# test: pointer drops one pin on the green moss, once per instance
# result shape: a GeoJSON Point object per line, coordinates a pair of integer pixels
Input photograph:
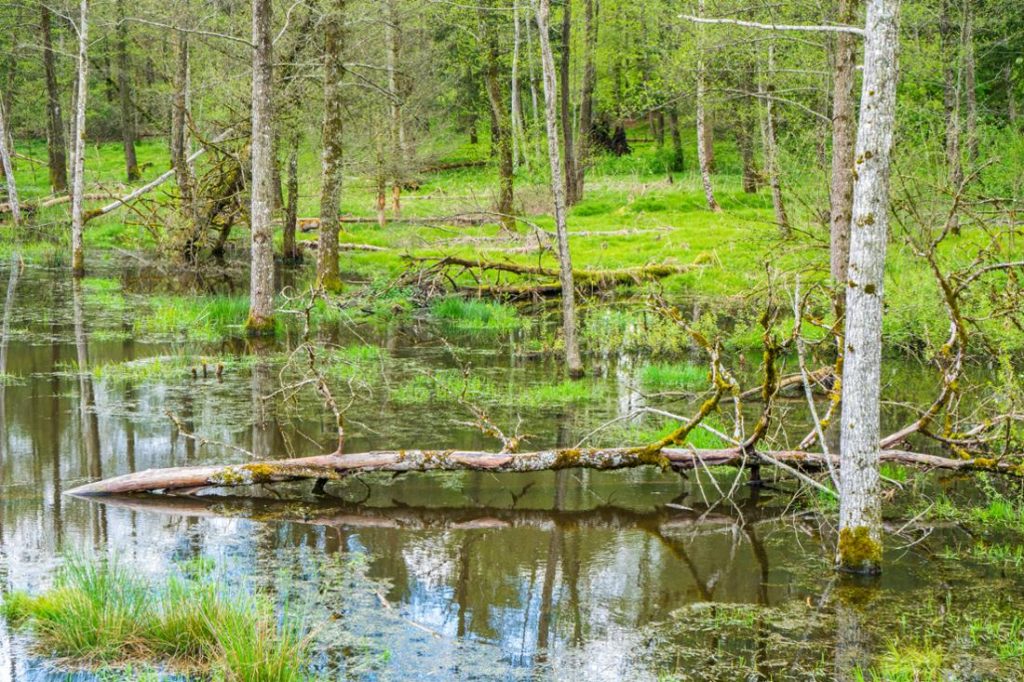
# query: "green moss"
{"type": "Point", "coordinates": [859, 552]}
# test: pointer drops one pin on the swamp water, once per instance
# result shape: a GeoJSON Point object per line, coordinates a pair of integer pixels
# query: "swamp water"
{"type": "Point", "coordinates": [567, 575]}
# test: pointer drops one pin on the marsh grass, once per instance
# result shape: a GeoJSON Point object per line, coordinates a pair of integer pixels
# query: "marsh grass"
{"type": "Point", "coordinates": [445, 385]}
{"type": "Point", "coordinates": [201, 318]}
{"type": "Point", "coordinates": [101, 613]}
{"type": "Point", "coordinates": [475, 314]}
{"type": "Point", "coordinates": [679, 376]}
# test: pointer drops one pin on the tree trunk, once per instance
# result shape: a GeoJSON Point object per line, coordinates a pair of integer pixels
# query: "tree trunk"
{"type": "Point", "coordinates": [678, 160]}
{"type": "Point", "coordinates": [844, 138]}
{"type": "Point", "coordinates": [395, 108]}
{"type": "Point", "coordinates": [951, 98]}
{"type": "Point", "coordinates": [327, 273]}
{"type": "Point", "coordinates": [183, 176]}
{"type": "Point", "coordinates": [970, 85]}
{"type": "Point", "coordinates": [566, 104]}
{"type": "Point", "coordinates": [518, 143]}
{"type": "Point", "coordinates": [586, 127]}
{"type": "Point", "coordinates": [860, 510]}
{"type": "Point", "coordinates": [572, 351]}
{"type": "Point", "coordinates": [746, 124]}
{"type": "Point", "coordinates": [78, 154]}
{"type": "Point", "coordinates": [8, 171]}
{"type": "Point", "coordinates": [771, 146]}
{"type": "Point", "coordinates": [501, 135]}
{"type": "Point", "coordinates": [702, 130]}
{"type": "Point", "coordinates": [1011, 95]}
{"type": "Point", "coordinates": [290, 249]}
{"type": "Point", "coordinates": [131, 163]}
{"type": "Point", "coordinates": [261, 274]}
{"type": "Point", "coordinates": [56, 154]}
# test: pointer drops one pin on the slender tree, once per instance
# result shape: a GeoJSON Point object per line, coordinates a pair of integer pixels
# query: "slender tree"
{"type": "Point", "coordinates": [261, 277]}
{"type": "Point", "coordinates": [501, 128]}
{"type": "Point", "coordinates": [327, 272]}
{"type": "Point", "coordinates": [844, 139]}
{"type": "Point", "coordinates": [970, 82]}
{"type": "Point", "coordinates": [771, 143]}
{"type": "Point", "coordinates": [572, 351]}
{"type": "Point", "coordinates": [860, 508]}
{"type": "Point", "coordinates": [703, 157]}
{"type": "Point", "coordinates": [398, 149]}
{"type": "Point", "coordinates": [565, 102]}
{"type": "Point", "coordinates": [78, 153]}
{"type": "Point", "coordinates": [8, 171]}
{"type": "Point", "coordinates": [290, 249]}
{"type": "Point", "coordinates": [55, 152]}
{"type": "Point", "coordinates": [131, 162]}
{"type": "Point", "coordinates": [589, 84]}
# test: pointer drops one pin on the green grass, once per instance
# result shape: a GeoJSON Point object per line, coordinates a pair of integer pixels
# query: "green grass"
{"type": "Point", "coordinates": [475, 314]}
{"type": "Point", "coordinates": [103, 613]}
{"type": "Point", "coordinates": [200, 318]}
{"type": "Point", "coordinates": [683, 376]}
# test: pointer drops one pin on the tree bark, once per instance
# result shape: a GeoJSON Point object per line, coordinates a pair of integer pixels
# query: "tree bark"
{"type": "Point", "coordinates": [586, 126]}
{"type": "Point", "coordinates": [518, 142]}
{"type": "Point", "coordinates": [398, 150]}
{"type": "Point", "coordinates": [565, 103]}
{"type": "Point", "coordinates": [261, 274]}
{"type": "Point", "coordinates": [335, 466]}
{"type": "Point", "coordinates": [771, 145]}
{"type": "Point", "coordinates": [78, 155]}
{"type": "Point", "coordinates": [55, 151]}
{"type": "Point", "coordinates": [860, 510]}
{"type": "Point", "coordinates": [844, 139]}
{"type": "Point", "coordinates": [501, 134]}
{"type": "Point", "coordinates": [702, 131]}
{"type": "Point", "coordinates": [970, 85]}
{"type": "Point", "coordinates": [951, 97]}
{"type": "Point", "coordinates": [8, 171]}
{"type": "Point", "coordinates": [290, 249]}
{"type": "Point", "coordinates": [678, 159]}
{"type": "Point", "coordinates": [572, 351]}
{"type": "Point", "coordinates": [327, 273]}
{"type": "Point", "coordinates": [1011, 95]}
{"type": "Point", "coordinates": [131, 162]}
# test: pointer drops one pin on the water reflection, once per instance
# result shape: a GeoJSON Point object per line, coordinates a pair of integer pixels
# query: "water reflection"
{"type": "Point", "coordinates": [555, 574]}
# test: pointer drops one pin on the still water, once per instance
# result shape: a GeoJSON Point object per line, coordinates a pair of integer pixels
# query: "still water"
{"type": "Point", "coordinates": [571, 575]}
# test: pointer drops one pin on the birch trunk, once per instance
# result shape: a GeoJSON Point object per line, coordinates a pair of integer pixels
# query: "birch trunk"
{"type": "Point", "coordinates": [860, 510]}
{"type": "Point", "coordinates": [327, 273]}
{"type": "Point", "coordinates": [8, 169]}
{"type": "Point", "coordinates": [131, 162]}
{"type": "Point", "coordinates": [771, 145]}
{"type": "Point", "coordinates": [261, 274]}
{"type": "Point", "coordinates": [566, 105]}
{"type": "Point", "coordinates": [844, 139]}
{"type": "Point", "coordinates": [78, 154]}
{"type": "Point", "coordinates": [572, 351]}
{"type": "Point", "coordinates": [55, 151]}
{"type": "Point", "coordinates": [702, 132]}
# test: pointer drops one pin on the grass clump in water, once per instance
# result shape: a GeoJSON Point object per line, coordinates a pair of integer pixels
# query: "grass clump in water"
{"type": "Point", "coordinates": [206, 318]}
{"type": "Point", "coordinates": [681, 376]}
{"type": "Point", "coordinates": [476, 314]}
{"type": "Point", "coordinates": [103, 613]}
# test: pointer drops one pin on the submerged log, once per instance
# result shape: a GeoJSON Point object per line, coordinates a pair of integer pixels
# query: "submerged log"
{"type": "Point", "coordinates": [336, 466]}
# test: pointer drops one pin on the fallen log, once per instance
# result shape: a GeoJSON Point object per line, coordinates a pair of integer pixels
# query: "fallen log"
{"type": "Point", "coordinates": [818, 376]}
{"type": "Point", "coordinates": [310, 224]}
{"type": "Point", "coordinates": [31, 206]}
{"type": "Point", "coordinates": [593, 277]}
{"type": "Point", "coordinates": [336, 466]}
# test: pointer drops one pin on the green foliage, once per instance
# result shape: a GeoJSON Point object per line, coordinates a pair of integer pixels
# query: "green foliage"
{"type": "Point", "coordinates": [102, 612]}
{"type": "Point", "coordinates": [475, 314]}
{"type": "Point", "coordinates": [676, 376]}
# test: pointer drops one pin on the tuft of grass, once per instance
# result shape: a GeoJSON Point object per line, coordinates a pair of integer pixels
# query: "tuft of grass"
{"type": "Point", "coordinates": [205, 318]}
{"type": "Point", "coordinates": [476, 314]}
{"type": "Point", "coordinates": [103, 613]}
{"type": "Point", "coordinates": [682, 376]}
{"type": "Point", "coordinates": [912, 662]}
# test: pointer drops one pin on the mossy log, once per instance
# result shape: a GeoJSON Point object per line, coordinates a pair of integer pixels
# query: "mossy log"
{"type": "Point", "coordinates": [595, 278]}
{"type": "Point", "coordinates": [336, 466]}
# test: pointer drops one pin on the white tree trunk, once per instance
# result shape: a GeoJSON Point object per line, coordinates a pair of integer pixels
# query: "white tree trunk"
{"type": "Point", "coordinates": [771, 151]}
{"type": "Point", "coordinates": [78, 150]}
{"type": "Point", "coordinates": [397, 123]}
{"type": "Point", "coordinates": [517, 123]}
{"type": "Point", "coordinates": [5, 159]}
{"type": "Point", "coordinates": [572, 351]}
{"type": "Point", "coordinates": [702, 131]}
{"type": "Point", "coordinates": [860, 511]}
{"type": "Point", "coordinates": [261, 279]}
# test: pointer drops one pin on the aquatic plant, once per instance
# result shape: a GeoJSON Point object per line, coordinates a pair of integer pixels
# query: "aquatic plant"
{"type": "Point", "coordinates": [475, 314]}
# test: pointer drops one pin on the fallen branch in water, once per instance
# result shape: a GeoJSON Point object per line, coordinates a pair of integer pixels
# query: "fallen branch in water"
{"type": "Point", "coordinates": [337, 466]}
